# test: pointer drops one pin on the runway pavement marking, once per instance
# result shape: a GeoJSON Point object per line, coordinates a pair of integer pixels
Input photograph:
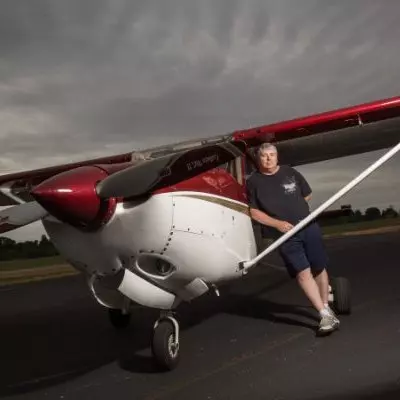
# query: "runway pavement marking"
{"type": "Point", "coordinates": [232, 363]}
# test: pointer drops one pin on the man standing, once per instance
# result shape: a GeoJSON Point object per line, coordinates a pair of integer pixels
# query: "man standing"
{"type": "Point", "coordinates": [278, 200]}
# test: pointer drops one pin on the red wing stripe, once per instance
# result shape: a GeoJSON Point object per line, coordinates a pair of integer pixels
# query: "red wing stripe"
{"type": "Point", "coordinates": [327, 121]}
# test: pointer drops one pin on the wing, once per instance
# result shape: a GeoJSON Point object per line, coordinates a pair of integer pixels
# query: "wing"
{"type": "Point", "coordinates": [338, 133]}
{"type": "Point", "coordinates": [353, 130]}
{"type": "Point", "coordinates": [319, 137]}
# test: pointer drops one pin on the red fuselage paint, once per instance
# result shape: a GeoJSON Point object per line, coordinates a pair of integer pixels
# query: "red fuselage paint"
{"type": "Point", "coordinates": [217, 181]}
{"type": "Point", "coordinates": [71, 195]}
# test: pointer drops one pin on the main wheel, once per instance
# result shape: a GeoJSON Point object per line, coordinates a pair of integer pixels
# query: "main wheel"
{"type": "Point", "coordinates": [165, 352]}
{"type": "Point", "coordinates": [118, 319]}
{"type": "Point", "coordinates": [341, 295]}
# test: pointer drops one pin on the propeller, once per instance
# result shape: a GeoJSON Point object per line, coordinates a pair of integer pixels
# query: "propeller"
{"type": "Point", "coordinates": [150, 175]}
{"type": "Point", "coordinates": [21, 215]}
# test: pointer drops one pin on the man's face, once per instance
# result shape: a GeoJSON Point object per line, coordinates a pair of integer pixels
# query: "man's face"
{"type": "Point", "coordinates": [269, 159]}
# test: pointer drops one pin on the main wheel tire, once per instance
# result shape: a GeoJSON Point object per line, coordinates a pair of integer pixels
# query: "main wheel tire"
{"type": "Point", "coordinates": [341, 295]}
{"type": "Point", "coordinates": [118, 319]}
{"type": "Point", "coordinates": [164, 352]}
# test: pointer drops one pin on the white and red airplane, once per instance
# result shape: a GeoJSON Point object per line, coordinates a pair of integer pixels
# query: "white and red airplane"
{"type": "Point", "coordinates": [165, 225]}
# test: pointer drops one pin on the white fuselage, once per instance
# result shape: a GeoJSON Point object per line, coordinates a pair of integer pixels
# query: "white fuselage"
{"type": "Point", "coordinates": [203, 237]}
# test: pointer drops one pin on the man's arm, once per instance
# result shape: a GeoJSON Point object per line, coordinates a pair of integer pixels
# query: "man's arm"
{"type": "Point", "coordinates": [265, 219]}
{"type": "Point", "coordinates": [308, 198]}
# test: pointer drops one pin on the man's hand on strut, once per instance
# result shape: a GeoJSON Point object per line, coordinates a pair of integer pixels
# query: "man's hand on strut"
{"type": "Point", "coordinates": [284, 226]}
{"type": "Point", "coordinates": [265, 219]}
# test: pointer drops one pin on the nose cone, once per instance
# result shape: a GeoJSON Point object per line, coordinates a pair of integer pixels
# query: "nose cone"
{"type": "Point", "coordinates": [71, 197]}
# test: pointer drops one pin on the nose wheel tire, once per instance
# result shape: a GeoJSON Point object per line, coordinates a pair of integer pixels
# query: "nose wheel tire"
{"type": "Point", "coordinates": [340, 295]}
{"type": "Point", "coordinates": [118, 318]}
{"type": "Point", "coordinates": [165, 344]}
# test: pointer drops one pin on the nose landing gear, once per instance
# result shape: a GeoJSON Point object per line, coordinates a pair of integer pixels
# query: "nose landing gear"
{"type": "Point", "coordinates": [165, 344]}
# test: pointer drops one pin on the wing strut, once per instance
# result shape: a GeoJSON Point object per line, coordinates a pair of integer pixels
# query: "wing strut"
{"type": "Point", "coordinates": [245, 265]}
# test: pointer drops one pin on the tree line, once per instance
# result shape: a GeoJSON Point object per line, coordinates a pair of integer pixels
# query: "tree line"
{"type": "Point", "coordinates": [10, 249]}
{"type": "Point", "coordinates": [347, 215]}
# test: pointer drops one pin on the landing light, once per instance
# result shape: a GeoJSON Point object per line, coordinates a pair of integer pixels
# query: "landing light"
{"type": "Point", "coordinates": [154, 266]}
{"type": "Point", "coordinates": [163, 267]}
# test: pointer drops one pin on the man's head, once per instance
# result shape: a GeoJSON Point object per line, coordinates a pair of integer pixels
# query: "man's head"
{"type": "Point", "coordinates": [267, 158]}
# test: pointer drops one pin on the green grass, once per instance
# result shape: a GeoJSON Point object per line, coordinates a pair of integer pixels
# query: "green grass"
{"type": "Point", "coordinates": [15, 265]}
{"type": "Point", "coordinates": [30, 263]}
{"type": "Point", "coordinates": [360, 226]}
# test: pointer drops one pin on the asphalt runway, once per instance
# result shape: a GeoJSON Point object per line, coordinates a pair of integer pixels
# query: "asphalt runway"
{"type": "Point", "coordinates": [256, 341]}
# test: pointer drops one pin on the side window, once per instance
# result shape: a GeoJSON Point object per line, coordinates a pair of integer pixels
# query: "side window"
{"type": "Point", "coordinates": [250, 163]}
{"type": "Point", "coordinates": [235, 169]}
{"type": "Point", "coordinates": [224, 166]}
{"type": "Point", "coordinates": [241, 168]}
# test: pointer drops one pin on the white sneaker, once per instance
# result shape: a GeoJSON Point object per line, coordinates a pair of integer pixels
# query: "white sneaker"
{"type": "Point", "coordinates": [328, 324]}
{"type": "Point", "coordinates": [332, 313]}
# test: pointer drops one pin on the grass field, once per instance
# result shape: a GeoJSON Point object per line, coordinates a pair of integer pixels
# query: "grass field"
{"type": "Point", "coordinates": [18, 271]}
{"type": "Point", "coordinates": [362, 226]}
{"type": "Point", "coordinates": [23, 271]}
{"type": "Point", "coordinates": [30, 263]}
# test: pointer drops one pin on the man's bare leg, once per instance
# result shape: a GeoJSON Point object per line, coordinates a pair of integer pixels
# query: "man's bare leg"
{"type": "Point", "coordinates": [310, 288]}
{"type": "Point", "coordinates": [309, 285]}
{"type": "Point", "coordinates": [322, 281]}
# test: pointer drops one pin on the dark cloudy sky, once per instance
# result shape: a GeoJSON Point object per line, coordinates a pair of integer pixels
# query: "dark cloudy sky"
{"type": "Point", "coordinates": [87, 78]}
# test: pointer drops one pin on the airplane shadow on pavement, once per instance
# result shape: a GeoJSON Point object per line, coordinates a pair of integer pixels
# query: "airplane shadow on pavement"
{"type": "Point", "coordinates": [58, 343]}
{"type": "Point", "coordinates": [243, 305]}
{"type": "Point", "coordinates": [281, 313]}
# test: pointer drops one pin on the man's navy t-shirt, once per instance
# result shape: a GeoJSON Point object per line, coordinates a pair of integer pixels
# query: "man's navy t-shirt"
{"type": "Point", "coordinates": [280, 195]}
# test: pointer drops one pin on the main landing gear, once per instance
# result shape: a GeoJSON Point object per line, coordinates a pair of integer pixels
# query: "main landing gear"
{"type": "Point", "coordinates": [340, 295]}
{"type": "Point", "coordinates": [165, 343]}
{"type": "Point", "coordinates": [119, 319]}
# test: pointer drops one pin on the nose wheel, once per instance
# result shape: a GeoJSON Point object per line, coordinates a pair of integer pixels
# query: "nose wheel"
{"type": "Point", "coordinates": [165, 343]}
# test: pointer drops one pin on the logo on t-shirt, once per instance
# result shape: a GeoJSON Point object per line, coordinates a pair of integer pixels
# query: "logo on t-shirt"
{"type": "Point", "coordinates": [289, 186]}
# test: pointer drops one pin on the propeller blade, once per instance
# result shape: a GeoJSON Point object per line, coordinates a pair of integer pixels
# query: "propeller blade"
{"type": "Point", "coordinates": [155, 174]}
{"type": "Point", "coordinates": [21, 215]}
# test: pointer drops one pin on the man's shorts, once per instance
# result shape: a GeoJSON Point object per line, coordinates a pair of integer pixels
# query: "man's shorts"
{"type": "Point", "coordinates": [304, 249]}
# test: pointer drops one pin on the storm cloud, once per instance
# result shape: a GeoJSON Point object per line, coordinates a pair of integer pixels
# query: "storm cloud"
{"type": "Point", "coordinates": [80, 79]}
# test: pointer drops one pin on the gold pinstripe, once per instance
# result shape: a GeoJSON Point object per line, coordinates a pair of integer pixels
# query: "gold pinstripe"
{"type": "Point", "coordinates": [242, 208]}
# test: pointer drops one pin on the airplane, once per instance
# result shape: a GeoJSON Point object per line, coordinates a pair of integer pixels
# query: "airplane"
{"type": "Point", "coordinates": [164, 225]}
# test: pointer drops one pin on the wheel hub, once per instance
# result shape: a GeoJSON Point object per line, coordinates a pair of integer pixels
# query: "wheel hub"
{"type": "Point", "coordinates": [173, 347]}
